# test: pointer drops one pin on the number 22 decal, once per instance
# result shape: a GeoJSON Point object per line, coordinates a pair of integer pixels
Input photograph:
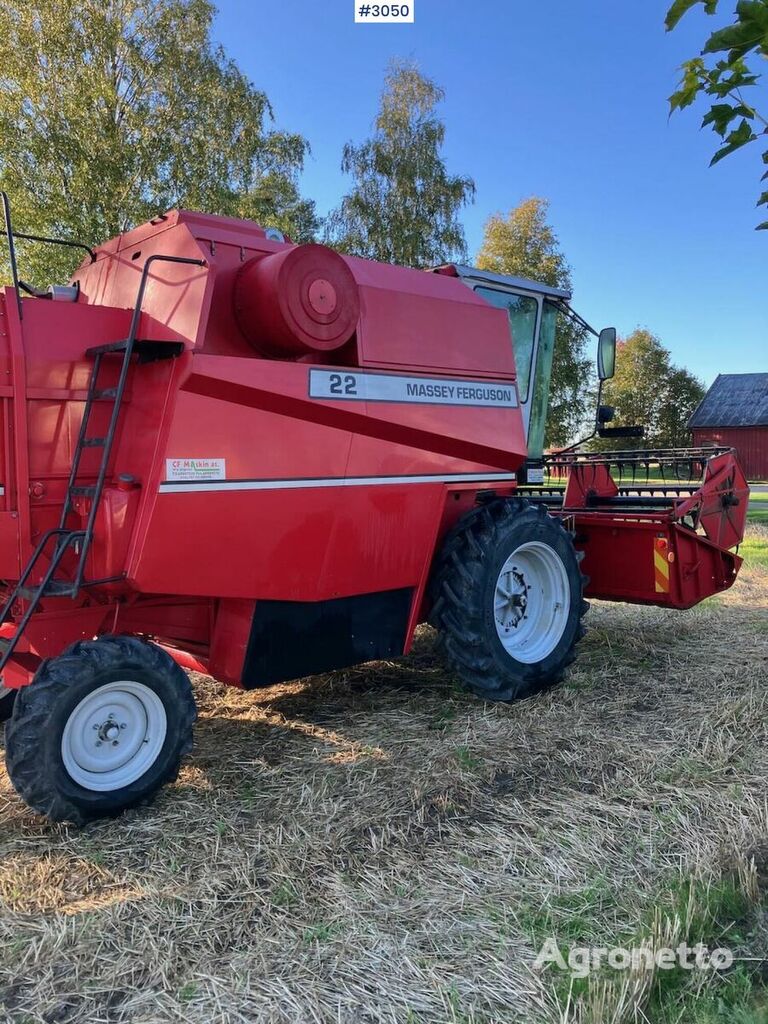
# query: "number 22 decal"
{"type": "Point", "coordinates": [342, 385]}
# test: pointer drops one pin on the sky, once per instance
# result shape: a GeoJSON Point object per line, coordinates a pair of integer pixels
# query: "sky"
{"type": "Point", "coordinates": [564, 99]}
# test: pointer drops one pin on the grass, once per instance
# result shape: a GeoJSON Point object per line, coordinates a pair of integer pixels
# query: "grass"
{"type": "Point", "coordinates": [754, 548]}
{"type": "Point", "coordinates": [627, 480]}
{"type": "Point", "coordinates": [375, 845]}
{"type": "Point", "coordinates": [724, 912]}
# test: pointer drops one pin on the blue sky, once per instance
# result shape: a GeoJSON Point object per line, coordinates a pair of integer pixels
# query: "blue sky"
{"type": "Point", "coordinates": [565, 99]}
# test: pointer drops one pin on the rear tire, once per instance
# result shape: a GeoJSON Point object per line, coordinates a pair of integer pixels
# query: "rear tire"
{"type": "Point", "coordinates": [507, 599]}
{"type": "Point", "coordinates": [100, 729]}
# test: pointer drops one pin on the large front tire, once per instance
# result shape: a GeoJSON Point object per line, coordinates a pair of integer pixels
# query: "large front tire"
{"type": "Point", "coordinates": [100, 729]}
{"type": "Point", "coordinates": [507, 599]}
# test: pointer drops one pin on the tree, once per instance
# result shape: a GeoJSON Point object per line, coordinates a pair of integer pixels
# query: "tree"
{"type": "Point", "coordinates": [524, 244]}
{"type": "Point", "coordinates": [681, 396]}
{"type": "Point", "coordinates": [112, 111]}
{"type": "Point", "coordinates": [403, 206]}
{"type": "Point", "coordinates": [722, 71]}
{"type": "Point", "coordinates": [649, 391]}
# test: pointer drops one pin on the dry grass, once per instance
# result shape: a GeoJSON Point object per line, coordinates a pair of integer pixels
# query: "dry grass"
{"type": "Point", "coordinates": [374, 845]}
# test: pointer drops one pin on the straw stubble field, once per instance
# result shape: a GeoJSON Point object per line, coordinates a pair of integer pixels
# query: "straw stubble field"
{"type": "Point", "coordinates": [376, 845]}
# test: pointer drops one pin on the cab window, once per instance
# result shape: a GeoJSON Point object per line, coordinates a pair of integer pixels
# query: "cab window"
{"type": "Point", "coordinates": [521, 310]}
{"type": "Point", "coordinates": [541, 380]}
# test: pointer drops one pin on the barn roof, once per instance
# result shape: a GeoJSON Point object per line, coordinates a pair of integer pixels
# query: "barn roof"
{"type": "Point", "coordinates": [734, 400]}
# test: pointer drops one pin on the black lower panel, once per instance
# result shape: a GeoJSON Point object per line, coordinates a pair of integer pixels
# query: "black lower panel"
{"type": "Point", "coordinates": [290, 639]}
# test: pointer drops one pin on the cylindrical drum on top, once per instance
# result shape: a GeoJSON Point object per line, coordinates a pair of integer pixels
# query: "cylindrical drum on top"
{"type": "Point", "coordinates": [297, 301]}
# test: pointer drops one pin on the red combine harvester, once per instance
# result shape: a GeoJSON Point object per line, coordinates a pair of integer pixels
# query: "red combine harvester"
{"type": "Point", "coordinates": [224, 452]}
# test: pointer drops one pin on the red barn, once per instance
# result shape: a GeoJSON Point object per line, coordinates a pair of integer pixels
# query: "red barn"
{"type": "Point", "coordinates": [734, 412]}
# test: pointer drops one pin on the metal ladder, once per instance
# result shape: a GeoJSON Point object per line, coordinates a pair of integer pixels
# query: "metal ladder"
{"type": "Point", "coordinates": [55, 543]}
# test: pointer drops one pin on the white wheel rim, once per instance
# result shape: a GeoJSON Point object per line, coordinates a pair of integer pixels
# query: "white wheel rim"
{"type": "Point", "coordinates": [114, 736]}
{"type": "Point", "coordinates": [531, 602]}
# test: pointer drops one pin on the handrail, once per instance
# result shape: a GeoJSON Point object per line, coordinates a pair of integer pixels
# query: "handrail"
{"type": "Point", "coordinates": [11, 250]}
{"type": "Point", "coordinates": [11, 235]}
{"type": "Point", "coordinates": [55, 241]}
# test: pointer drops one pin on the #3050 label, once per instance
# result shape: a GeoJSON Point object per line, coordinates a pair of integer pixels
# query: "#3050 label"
{"type": "Point", "coordinates": [384, 13]}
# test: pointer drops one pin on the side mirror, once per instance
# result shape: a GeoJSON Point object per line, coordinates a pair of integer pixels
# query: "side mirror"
{"type": "Point", "coordinates": [606, 353]}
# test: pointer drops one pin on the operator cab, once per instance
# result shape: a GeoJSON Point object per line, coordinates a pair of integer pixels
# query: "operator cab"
{"type": "Point", "coordinates": [533, 310]}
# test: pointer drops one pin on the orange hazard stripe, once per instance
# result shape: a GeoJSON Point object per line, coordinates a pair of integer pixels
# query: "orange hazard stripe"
{"type": "Point", "coordinates": [660, 566]}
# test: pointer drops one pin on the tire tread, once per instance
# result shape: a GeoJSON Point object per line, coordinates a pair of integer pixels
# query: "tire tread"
{"type": "Point", "coordinates": [34, 781]}
{"type": "Point", "coordinates": [456, 602]}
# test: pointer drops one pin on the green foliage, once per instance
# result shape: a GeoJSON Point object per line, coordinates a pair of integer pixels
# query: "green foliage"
{"type": "Point", "coordinates": [321, 932]}
{"type": "Point", "coordinates": [681, 394]}
{"type": "Point", "coordinates": [466, 758]}
{"type": "Point", "coordinates": [522, 243]}
{"type": "Point", "coordinates": [648, 390]}
{"type": "Point", "coordinates": [679, 8]}
{"type": "Point", "coordinates": [404, 204]}
{"type": "Point", "coordinates": [736, 121]}
{"type": "Point", "coordinates": [188, 991]}
{"type": "Point", "coordinates": [112, 111]}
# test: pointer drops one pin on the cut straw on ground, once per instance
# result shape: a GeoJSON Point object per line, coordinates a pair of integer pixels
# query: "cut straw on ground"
{"type": "Point", "coordinates": [377, 846]}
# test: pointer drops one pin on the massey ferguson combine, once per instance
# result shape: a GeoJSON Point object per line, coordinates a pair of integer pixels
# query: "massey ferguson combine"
{"type": "Point", "coordinates": [224, 452]}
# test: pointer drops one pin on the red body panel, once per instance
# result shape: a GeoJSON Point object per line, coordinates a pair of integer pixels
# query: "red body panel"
{"type": "Point", "coordinates": [441, 324]}
{"type": "Point", "coordinates": [295, 517]}
{"type": "Point", "coordinates": [233, 483]}
{"type": "Point", "coordinates": [619, 561]}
